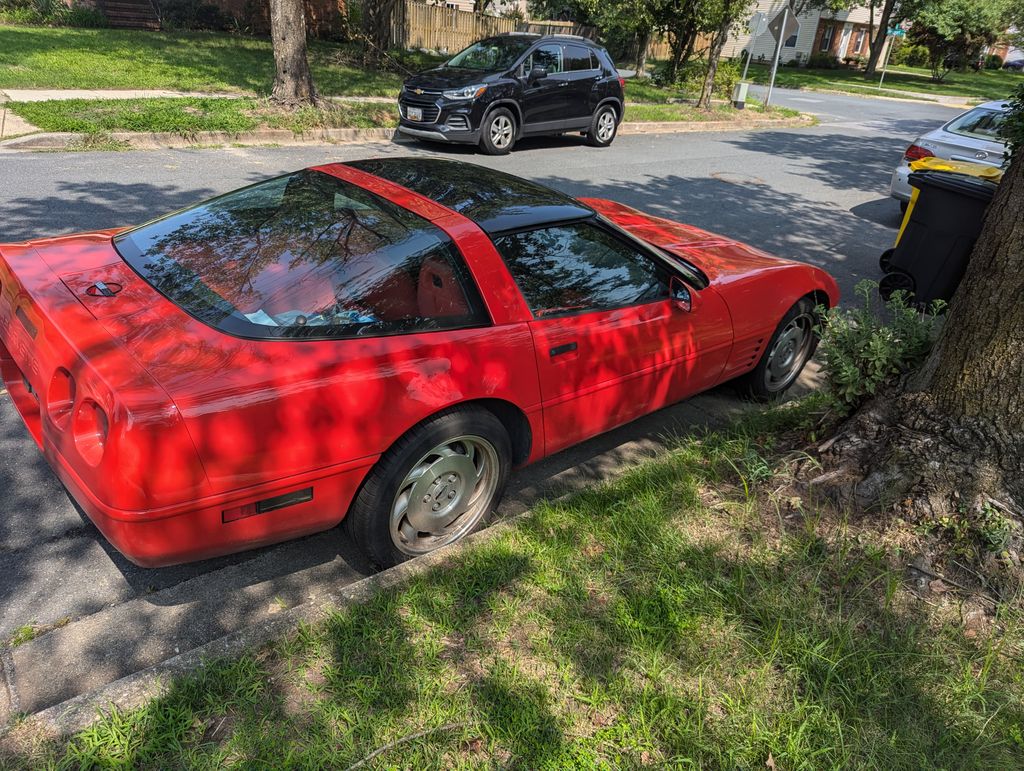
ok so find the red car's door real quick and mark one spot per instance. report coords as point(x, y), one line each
point(611, 344)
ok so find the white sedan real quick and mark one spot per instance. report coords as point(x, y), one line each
point(971, 136)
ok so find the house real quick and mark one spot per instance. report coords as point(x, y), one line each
point(843, 35)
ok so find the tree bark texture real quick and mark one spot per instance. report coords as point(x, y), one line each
point(877, 43)
point(643, 42)
point(975, 373)
point(377, 19)
point(706, 91)
point(293, 83)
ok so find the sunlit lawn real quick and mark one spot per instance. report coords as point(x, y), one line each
point(43, 57)
point(687, 615)
point(984, 85)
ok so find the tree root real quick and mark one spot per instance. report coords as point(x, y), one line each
point(898, 458)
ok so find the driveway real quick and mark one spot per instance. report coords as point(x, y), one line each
point(815, 194)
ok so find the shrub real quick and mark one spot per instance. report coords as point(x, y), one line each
point(993, 62)
point(690, 77)
point(909, 55)
point(822, 61)
point(50, 12)
point(864, 350)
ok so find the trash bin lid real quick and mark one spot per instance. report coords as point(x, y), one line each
point(957, 183)
point(983, 170)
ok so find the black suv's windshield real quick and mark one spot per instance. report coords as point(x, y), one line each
point(305, 255)
point(491, 55)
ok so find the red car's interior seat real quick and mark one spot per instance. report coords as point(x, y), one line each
point(439, 292)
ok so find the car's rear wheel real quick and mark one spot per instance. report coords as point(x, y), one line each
point(790, 348)
point(603, 127)
point(436, 485)
point(498, 132)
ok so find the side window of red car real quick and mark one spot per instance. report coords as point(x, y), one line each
point(579, 267)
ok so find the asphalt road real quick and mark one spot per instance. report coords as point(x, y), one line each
point(816, 194)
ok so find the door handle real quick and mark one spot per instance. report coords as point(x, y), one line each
point(563, 84)
point(558, 350)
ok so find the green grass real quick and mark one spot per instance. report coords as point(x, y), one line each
point(985, 85)
point(718, 112)
point(687, 615)
point(191, 115)
point(43, 57)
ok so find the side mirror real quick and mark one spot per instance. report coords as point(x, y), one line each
point(680, 294)
point(537, 73)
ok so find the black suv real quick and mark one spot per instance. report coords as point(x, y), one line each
point(505, 87)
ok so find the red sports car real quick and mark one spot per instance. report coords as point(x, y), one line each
point(378, 341)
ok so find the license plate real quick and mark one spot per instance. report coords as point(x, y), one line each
point(414, 113)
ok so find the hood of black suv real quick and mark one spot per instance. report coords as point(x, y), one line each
point(443, 77)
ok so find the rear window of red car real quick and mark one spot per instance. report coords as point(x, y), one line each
point(306, 255)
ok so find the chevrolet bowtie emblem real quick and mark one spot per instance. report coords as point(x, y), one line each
point(418, 91)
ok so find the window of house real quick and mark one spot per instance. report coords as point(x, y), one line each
point(858, 41)
point(827, 35)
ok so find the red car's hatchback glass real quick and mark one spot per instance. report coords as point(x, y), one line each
point(306, 255)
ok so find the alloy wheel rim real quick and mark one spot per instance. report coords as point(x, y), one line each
point(501, 131)
point(789, 354)
point(445, 495)
point(605, 126)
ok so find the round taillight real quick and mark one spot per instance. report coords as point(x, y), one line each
point(90, 427)
point(60, 397)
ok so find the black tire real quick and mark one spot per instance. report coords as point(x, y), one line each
point(498, 132)
point(894, 281)
point(598, 135)
point(763, 382)
point(369, 520)
point(885, 260)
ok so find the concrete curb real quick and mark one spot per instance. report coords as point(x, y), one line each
point(46, 141)
point(76, 714)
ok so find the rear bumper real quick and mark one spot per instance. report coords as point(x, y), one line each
point(899, 187)
point(197, 529)
point(169, 537)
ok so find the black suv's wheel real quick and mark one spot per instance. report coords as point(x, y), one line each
point(603, 127)
point(498, 133)
point(436, 485)
point(789, 349)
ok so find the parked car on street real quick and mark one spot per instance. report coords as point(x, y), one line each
point(378, 341)
point(1016, 64)
point(506, 87)
point(971, 136)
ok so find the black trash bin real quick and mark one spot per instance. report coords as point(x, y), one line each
point(933, 251)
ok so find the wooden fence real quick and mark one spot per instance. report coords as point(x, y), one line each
point(437, 28)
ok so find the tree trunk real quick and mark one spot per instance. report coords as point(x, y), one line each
point(642, 44)
point(293, 83)
point(947, 452)
point(704, 101)
point(975, 373)
point(377, 18)
point(877, 43)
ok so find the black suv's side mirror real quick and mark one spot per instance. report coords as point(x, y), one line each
point(537, 73)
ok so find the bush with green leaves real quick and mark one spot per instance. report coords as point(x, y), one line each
point(690, 77)
point(822, 61)
point(993, 62)
point(52, 13)
point(909, 55)
point(866, 347)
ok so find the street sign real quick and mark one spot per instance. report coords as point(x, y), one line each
point(784, 25)
point(758, 24)
point(896, 32)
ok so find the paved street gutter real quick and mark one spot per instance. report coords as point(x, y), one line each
point(128, 140)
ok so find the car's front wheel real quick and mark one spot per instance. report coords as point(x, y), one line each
point(790, 348)
point(603, 127)
point(435, 486)
point(498, 132)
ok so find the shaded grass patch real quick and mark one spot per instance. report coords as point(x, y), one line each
point(688, 614)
